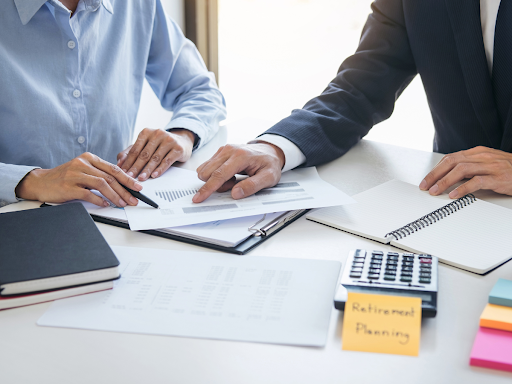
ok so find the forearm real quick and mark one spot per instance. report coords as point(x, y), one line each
point(11, 176)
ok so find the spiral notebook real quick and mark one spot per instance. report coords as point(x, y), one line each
point(467, 233)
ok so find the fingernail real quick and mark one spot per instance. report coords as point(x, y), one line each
point(453, 194)
point(238, 193)
point(423, 185)
point(122, 203)
point(138, 186)
point(130, 174)
point(155, 174)
point(105, 203)
point(142, 176)
point(434, 189)
point(133, 200)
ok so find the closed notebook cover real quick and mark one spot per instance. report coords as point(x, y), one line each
point(50, 242)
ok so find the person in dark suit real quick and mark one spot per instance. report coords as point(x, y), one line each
point(462, 49)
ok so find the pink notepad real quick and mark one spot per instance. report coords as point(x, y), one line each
point(492, 349)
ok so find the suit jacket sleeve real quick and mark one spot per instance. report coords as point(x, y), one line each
point(361, 95)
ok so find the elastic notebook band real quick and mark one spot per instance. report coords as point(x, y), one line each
point(432, 217)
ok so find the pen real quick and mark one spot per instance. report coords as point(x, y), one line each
point(141, 197)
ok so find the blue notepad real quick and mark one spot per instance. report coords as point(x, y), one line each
point(501, 294)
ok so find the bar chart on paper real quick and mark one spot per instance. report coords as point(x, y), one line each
point(171, 195)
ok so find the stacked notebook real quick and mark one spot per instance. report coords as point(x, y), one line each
point(51, 253)
point(468, 233)
point(493, 344)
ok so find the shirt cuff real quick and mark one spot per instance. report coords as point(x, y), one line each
point(293, 156)
point(11, 177)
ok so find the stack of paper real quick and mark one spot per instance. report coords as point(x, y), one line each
point(493, 343)
point(209, 295)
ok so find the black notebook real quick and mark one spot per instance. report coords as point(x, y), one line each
point(50, 248)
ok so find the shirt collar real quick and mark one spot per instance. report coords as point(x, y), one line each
point(28, 8)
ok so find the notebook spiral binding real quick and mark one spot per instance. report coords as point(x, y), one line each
point(432, 217)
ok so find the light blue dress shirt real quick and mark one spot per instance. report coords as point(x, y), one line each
point(73, 85)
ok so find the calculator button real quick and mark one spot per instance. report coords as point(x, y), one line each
point(405, 262)
point(374, 270)
point(375, 265)
point(392, 258)
point(425, 256)
point(407, 269)
point(373, 277)
point(378, 253)
point(355, 275)
point(357, 264)
point(390, 267)
point(408, 254)
point(425, 281)
point(426, 267)
point(356, 270)
point(390, 277)
point(406, 274)
point(392, 262)
point(392, 254)
point(406, 279)
point(377, 258)
point(360, 252)
point(425, 261)
point(425, 275)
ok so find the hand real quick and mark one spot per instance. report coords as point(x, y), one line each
point(155, 151)
point(262, 162)
point(74, 180)
point(485, 167)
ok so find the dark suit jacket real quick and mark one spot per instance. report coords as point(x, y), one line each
point(441, 40)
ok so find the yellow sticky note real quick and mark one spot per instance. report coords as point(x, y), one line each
point(382, 324)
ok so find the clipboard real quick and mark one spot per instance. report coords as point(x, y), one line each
point(259, 235)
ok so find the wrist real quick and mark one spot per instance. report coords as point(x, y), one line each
point(278, 152)
point(27, 188)
point(189, 136)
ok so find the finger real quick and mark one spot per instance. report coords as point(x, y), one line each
point(86, 195)
point(267, 177)
point(100, 184)
point(113, 170)
point(200, 168)
point(144, 157)
point(169, 160)
point(475, 184)
point(121, 157)
point(136, 149)
point(217, 178)
point(217, 161)
point(460, 172)
point(228, 185)
point(446, 164)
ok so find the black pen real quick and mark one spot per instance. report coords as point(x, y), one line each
point(140, 196)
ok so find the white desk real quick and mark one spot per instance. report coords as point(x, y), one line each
point(30, 354)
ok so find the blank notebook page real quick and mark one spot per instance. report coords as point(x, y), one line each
point(381, 210)
point(476, 238)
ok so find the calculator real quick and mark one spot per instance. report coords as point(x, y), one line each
point(390, 273)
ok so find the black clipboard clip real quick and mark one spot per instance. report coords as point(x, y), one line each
point(276, 224)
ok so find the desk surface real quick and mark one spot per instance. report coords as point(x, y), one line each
point(30, 354)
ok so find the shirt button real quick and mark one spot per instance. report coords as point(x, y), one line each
point(81, 140)
point(76, 93)
point(71, 44)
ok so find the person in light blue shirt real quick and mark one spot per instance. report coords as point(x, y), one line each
point(71, 75)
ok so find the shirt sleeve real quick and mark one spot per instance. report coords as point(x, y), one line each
point(11, 175)
point(180, 79)
point(293, 156)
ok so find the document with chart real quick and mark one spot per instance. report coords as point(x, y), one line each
point(209, 295)
point(173, 192)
